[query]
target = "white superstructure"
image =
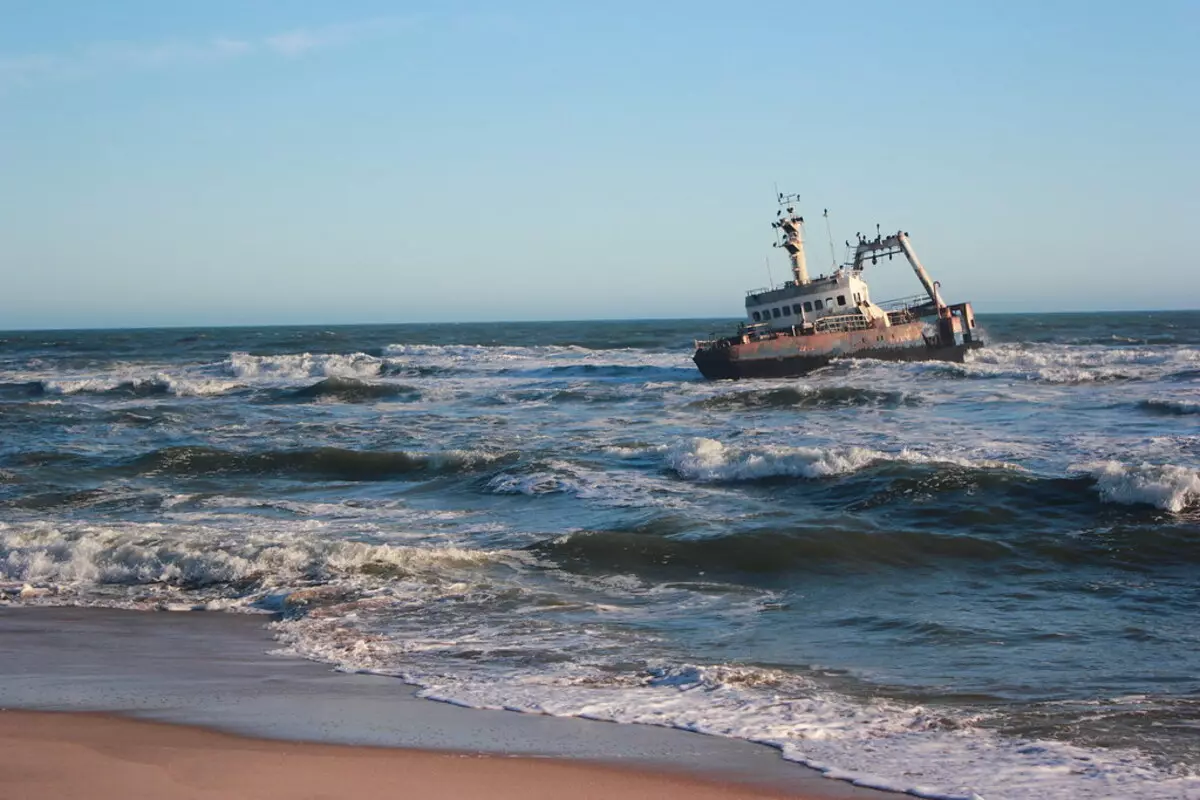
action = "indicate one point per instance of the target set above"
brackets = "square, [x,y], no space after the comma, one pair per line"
[840,300]
[797,304]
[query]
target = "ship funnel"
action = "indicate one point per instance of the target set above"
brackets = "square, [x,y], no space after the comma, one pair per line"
[793,232]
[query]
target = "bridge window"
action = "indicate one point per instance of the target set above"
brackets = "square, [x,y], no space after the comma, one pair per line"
[757,316]
[787,311]
[841,299]
[796,309]
[816,304]
[775,312]
[807,306]
[829,302]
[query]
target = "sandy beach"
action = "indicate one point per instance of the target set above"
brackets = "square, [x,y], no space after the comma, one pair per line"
[49,755]
[121,704]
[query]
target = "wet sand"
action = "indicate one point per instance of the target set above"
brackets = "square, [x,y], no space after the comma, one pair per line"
[44,755]
[245,723]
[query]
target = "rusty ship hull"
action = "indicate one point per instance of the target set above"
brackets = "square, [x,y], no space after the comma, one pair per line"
[785,355]
[808,322]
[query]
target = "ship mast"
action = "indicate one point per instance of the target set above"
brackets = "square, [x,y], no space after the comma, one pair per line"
[792,227]
[896,244]
[930,285]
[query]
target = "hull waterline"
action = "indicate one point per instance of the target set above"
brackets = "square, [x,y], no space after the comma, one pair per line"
[717,365]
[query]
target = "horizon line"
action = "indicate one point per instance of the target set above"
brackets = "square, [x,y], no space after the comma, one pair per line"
[723,319]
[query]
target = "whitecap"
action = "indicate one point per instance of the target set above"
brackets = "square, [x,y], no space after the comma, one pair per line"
[1166,486]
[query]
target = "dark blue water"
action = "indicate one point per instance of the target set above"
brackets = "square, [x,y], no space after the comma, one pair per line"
[950,578]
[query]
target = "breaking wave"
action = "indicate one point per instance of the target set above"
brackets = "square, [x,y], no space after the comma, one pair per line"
[304,365]
[252,568]
[1166,486]
[887,745]
[1063,364]
[152,385]
[546,361]
[707,460]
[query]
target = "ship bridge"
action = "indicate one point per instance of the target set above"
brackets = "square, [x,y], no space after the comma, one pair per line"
[794,304]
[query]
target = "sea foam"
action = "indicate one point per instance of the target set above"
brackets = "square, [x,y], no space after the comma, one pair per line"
[708,460]
[1166,486]
[303,365]
[240,570]
[883,744]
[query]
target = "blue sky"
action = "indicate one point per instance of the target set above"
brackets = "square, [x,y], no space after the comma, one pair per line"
[252,162]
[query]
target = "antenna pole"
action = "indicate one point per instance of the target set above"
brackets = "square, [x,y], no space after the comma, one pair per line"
[770,277]
[829,233]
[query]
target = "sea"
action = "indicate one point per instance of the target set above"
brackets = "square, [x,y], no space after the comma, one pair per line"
[976,580]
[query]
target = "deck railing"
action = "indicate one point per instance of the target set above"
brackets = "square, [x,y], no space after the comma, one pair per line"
[905,303]
[842,323]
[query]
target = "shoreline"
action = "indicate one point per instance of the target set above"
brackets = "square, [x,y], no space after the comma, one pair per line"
[107,757]
[197,675]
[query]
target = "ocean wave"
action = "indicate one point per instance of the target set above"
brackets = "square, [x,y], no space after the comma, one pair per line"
[887,745]
[670,549]
[707,460]
[1166,486]
[252,569]
[1169,406]
[647,372]
[535,483]
[545,361]
[106,500]
[334,595]
[644,552]
[610,487]
[330,463]
[21,389]
[352,390]
[1183,375]
[554,393]
[152,385]
[807,397]
[1065,364]
[303,365]
[337,598]
[482,352]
